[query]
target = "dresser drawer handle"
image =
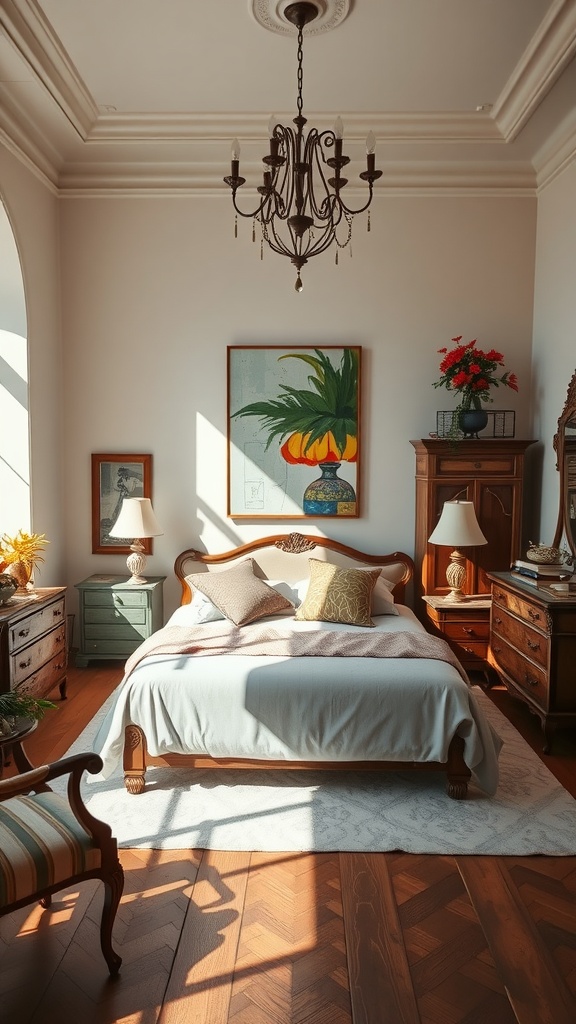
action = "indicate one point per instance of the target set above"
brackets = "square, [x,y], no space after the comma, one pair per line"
[25,664]
[59,666]
[497,650]
[530,680]
[533,615]
[468,630]
[497,620]
[57,612]
[533,646]
[24,632]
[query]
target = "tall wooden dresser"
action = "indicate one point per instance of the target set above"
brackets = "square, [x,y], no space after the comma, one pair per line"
[533,648]
[33,649]
[489,473]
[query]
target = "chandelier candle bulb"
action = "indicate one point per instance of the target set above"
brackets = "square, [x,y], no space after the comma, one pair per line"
[370,152]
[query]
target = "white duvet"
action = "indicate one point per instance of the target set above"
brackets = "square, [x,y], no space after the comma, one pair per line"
[302,709]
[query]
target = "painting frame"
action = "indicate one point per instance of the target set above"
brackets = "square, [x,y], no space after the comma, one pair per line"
[115,477]
[271,465]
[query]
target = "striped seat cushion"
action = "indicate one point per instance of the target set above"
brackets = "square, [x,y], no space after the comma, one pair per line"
[41,844]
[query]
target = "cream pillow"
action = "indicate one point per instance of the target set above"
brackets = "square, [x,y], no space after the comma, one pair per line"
[239,594]
[382,596]
[338,595]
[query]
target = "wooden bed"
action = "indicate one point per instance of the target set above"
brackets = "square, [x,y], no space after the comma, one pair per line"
[285,557]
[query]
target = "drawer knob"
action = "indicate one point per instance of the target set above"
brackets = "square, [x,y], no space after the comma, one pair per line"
[533,615]
[468,630]
[496,650]
[25,664]
[24,632]
[497,620]
[530,680]
[57,613]
[534,646]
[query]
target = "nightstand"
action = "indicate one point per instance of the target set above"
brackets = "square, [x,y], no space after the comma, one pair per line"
[466,627]
[116,616]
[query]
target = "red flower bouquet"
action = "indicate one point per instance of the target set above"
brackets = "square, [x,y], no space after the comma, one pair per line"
[472,372]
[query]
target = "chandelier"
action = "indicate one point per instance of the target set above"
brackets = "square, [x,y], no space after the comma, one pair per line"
[301,209]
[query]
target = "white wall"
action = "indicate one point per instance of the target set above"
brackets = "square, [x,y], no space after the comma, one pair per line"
[155,288]
[32,208]
[554,325]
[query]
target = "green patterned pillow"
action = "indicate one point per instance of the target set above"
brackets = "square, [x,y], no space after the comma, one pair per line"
[338,595]
[239,594]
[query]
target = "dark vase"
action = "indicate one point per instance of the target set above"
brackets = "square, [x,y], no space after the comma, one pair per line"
[471,421]
[329,495]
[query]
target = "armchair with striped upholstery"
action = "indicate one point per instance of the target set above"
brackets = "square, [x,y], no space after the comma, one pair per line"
[49,842]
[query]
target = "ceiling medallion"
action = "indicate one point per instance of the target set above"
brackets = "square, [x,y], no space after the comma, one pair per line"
[301,211]
[270,15]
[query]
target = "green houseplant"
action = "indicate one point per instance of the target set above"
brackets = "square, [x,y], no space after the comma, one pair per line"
[20,705]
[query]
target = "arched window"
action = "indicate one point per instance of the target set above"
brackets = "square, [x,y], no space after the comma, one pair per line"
[14,425]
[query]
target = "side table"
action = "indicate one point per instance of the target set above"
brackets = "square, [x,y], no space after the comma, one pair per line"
[12,741]
[466,627]
[116,616]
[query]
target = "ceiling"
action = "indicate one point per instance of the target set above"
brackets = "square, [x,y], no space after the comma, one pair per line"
[103,95]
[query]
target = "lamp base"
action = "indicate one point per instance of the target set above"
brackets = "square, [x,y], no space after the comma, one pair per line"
[136,562]
[455,576]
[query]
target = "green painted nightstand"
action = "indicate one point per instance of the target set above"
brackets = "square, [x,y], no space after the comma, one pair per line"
[116,616]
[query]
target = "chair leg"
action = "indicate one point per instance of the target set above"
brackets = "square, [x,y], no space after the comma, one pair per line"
[113,888]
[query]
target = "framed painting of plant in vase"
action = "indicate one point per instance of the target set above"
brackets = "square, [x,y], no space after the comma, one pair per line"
[293,431]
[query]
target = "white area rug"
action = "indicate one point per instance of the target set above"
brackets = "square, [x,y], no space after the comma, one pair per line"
[342,811]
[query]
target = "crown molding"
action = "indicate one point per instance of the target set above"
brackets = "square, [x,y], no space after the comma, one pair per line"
[550,50]
[558,153]
[31,35]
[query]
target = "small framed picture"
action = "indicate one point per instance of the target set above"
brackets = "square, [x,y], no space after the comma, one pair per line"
[115,477]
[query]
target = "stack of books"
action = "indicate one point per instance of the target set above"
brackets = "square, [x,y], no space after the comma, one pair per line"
[539,572]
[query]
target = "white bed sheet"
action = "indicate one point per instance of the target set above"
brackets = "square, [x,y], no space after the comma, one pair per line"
[303,709]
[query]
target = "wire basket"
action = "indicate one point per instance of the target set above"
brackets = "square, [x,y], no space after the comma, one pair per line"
[501,423]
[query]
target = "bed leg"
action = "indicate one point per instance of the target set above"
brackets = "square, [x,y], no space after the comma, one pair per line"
[134,760]
[457,771]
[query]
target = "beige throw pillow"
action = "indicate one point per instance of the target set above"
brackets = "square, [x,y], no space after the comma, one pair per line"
[338,595]
[239,594]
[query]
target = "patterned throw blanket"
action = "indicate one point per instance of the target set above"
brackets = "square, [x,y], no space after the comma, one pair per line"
[258,640]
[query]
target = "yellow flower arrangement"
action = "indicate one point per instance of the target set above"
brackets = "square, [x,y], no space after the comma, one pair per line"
[23,547]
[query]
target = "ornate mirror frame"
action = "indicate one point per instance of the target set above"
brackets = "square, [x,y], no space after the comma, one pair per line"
[565,445]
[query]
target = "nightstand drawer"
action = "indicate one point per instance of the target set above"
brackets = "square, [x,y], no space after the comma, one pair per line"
[116,598]
[31,658]
[466,630]
[118,616]
[500,465]
[100,648]
[472,654]
[116,631]
[35,624]
[528,641]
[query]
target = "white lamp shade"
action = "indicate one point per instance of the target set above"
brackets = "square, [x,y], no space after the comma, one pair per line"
[136,519]
[458,526]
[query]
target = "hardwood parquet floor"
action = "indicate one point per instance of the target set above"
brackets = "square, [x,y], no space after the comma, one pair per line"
[211,937]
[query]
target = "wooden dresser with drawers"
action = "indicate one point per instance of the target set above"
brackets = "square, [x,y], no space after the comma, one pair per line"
[33,649]
[533,648]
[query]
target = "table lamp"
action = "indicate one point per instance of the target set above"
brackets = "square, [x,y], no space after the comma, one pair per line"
[136,520]
[457,528]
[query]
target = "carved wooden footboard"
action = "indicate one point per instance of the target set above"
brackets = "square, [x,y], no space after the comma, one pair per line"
[137,759]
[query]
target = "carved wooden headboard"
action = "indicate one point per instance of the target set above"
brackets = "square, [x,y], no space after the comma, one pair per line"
[285,557]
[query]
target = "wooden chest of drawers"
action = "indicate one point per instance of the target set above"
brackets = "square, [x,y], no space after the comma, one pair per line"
[533,648]
[33,650]
[116,616]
